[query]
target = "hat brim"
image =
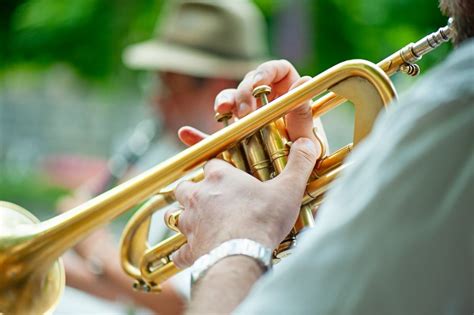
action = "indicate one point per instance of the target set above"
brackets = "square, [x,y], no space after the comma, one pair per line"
[162,56]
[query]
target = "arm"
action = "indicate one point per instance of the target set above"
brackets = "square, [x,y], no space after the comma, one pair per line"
[110,282]
[80,277]
[236,275]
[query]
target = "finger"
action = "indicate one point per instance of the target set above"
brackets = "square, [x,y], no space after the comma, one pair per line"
[279,74]
[185,193]
[190,135]
[215,169]
[299,122]
[301,161]
[183,257]
[225,101]
[246,103]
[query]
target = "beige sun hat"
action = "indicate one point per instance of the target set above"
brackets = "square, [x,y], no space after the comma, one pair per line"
[220,38]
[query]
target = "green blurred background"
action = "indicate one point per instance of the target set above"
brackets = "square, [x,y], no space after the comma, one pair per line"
[64,89]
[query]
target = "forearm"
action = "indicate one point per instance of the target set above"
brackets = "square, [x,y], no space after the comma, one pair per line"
[114,284]
[79,276]
[224,285]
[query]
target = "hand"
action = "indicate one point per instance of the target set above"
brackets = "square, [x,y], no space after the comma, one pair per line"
[281,76]
[229,203]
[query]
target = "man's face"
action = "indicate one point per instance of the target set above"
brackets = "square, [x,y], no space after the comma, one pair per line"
[184,100]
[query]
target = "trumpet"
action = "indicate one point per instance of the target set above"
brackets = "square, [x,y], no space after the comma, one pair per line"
[263,154]
[32,277]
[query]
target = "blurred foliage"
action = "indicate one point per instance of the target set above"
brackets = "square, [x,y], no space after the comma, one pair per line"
[346,29]
[371,30]
[90,35]
[31,192]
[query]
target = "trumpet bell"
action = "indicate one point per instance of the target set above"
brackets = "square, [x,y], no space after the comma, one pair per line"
[35,292]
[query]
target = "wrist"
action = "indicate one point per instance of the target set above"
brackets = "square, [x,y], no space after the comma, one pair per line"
[235,247]
[264,236]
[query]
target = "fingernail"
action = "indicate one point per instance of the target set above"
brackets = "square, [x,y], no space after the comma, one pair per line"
[244,109]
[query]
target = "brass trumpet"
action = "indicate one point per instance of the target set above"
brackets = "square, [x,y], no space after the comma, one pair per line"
[263,154]
[32,276]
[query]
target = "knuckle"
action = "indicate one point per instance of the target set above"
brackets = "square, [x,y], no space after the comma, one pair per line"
[178,257]
[303,111]
[307,155]
[186,194]
[243,94]
[269,63]
[180,189]
[225,96]
[188,257]
[183,224]
[193,199]
[285,63]
[249,74]
[215,174]
[211,166]
[183,257]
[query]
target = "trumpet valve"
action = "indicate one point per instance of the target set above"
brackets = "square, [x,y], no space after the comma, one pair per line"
[223,118]
[261,92]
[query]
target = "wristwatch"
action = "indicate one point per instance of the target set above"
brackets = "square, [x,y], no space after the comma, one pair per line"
[246,247]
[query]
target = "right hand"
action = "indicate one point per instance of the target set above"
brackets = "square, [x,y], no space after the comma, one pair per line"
[281,76]
[202,215]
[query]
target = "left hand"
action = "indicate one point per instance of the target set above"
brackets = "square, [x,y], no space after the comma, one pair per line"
[230,204]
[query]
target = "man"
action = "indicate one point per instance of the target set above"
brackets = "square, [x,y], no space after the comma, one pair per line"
[395,233]
[201,48]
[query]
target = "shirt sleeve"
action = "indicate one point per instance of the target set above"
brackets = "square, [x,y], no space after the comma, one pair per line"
[394,235]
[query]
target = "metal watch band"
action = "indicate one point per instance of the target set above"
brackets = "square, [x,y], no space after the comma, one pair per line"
[246,247]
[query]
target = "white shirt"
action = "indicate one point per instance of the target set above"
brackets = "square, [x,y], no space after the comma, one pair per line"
[395,235]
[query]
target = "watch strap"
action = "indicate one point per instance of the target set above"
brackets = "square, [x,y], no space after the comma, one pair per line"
[245,247]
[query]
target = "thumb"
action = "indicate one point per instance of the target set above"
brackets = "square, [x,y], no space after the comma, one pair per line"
[301,161]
